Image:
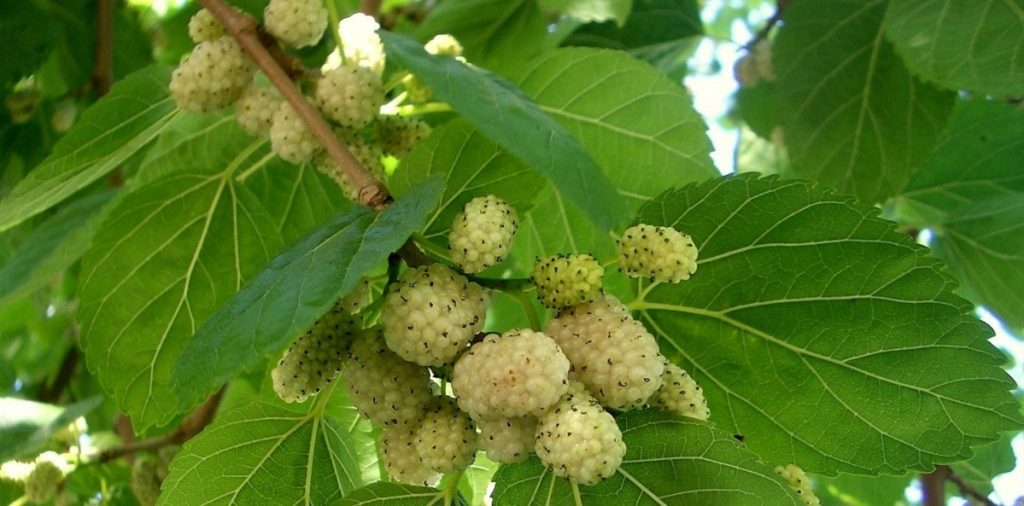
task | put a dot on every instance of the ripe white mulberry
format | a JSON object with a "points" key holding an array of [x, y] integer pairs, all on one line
{"points": [[798, 480], [290, 138], [397, 135], [680, 394], [578, 439], [361, 44], [212, 77], [519, 373], [296, 23], [507, 440], [443, 45], [43, 483], [446, 437], [567, 280], [431, 313], [350, 95], [658, 253], [203, 26], [368, 156], [386, 389], [611, 353], [145, 481], [255, 109], [481, 233], [398, 452], [316, 357]]}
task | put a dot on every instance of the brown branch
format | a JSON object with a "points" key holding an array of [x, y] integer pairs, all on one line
{"points": [[769, 25], [967, 491], [370, 8], [933, 488], [245, 30], [103, 67], [189, 428]]}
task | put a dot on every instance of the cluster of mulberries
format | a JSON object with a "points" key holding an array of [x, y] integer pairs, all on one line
{"points": [[44, 480], [482, 232], [799, 482], [212, 77]]}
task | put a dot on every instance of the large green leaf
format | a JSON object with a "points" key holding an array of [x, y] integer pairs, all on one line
{"points": [[669, 461], [269, 454], [388, 494], [605, 99], [25, 426], [854, 490], [296, 288], [592, 11], [109, 132], [853, 115], [299, 198], [822, 334], [971, 192], [661, 32], [165, 257], [472, 166], [27, 34], [494, 33], [507, 116], [962, 44], [52, 247]]}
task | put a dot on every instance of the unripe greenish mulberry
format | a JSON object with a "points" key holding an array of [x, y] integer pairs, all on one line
{"points": [[203, 26], [43, 483], [350, 95], [567, 280], [658, 253], [386, 389], [255, 109], [368, 156], [145, 482], [431, 313], [481, 233], [398, 453], [212, 77], [316, 357], [521, 372], [296, 23], [290, 138], [611, 353], [507, 440], [680, 394], [446, 438], [397, 135], [578, 439]]}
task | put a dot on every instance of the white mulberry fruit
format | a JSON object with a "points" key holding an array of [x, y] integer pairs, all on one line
{"points": [[579, 440], [507, 440], [398, 452], [519, 373], [350, 95], [443, 45], [368, 156], [361, 44], [212, 77], [316, 357], [386, 389], [203, 26], [611, 353], [446, 437], [290, 138], [680, 394], [43, 483], [296, 23], [397, 135], [255, 109], [431, 313], [481, 233], [567, 280], [659, 253], [799, 482], [145, 481]]}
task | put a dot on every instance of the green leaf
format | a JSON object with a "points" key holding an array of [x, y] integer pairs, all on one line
{"points": [[166, 256], [592, 11], [472, 166], [268, 454], [113, 129], [298, 198], [495, 34], [52, 247], [507, 116], [807, 323], [669, 461], [957, 44], [972, 193], [25, 426], [661, 32], [296, 288], [853, 115], [27, 34], [384, 493], [853, 490], [987, 463], [605, 99]]}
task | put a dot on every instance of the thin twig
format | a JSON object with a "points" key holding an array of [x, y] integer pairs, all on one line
{"points": [[51, 393], [103, 67], [189, 428], [966, 490], [245, 30], [370, 8], [768, 25]]}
